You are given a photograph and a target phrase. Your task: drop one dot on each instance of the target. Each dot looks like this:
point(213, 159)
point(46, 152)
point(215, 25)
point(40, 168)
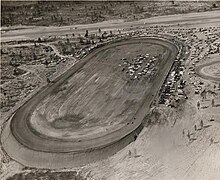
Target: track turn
point(32, 149)
point(199, 70)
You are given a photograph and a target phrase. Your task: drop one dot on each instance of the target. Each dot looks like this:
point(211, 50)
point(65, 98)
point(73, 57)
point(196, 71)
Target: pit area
point(93, 109)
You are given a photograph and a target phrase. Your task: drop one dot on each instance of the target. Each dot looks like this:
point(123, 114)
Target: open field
point(184, 20)
point(179, 136)
point(56, 13)
point(96, 98)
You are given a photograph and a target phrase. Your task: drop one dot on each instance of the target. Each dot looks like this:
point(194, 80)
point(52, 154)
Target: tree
point(39, 40)
point(20, 55)
point(48, 80)
point(16, 72)
point(214, 5)
point(87, 33)
point(46, 63)
point(34, 56)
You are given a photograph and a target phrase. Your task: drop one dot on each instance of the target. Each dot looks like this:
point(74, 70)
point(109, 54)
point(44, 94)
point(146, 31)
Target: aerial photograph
point(110, 90)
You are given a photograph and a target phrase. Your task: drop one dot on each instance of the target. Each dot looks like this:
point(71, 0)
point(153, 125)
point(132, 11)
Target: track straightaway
point(36, 150)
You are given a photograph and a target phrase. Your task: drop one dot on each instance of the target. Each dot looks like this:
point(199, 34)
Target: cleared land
point(188, 20)
point(161, 151)
point(46, 13)
point(41, 150)
point(98, 97)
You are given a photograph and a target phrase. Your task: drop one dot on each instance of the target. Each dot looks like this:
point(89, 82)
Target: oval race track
point(31, 147)
point(200, 71)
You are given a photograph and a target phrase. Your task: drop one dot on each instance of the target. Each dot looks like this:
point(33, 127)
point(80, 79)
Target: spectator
point(198, 104)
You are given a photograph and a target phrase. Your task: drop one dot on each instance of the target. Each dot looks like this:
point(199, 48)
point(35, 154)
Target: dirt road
point(191, 19)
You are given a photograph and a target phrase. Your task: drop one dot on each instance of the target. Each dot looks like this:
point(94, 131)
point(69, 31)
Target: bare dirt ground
point(165, 151)
point(99, 94)
point(184, 143)
point(46, 146)
point(192, 19)
point(46, 13)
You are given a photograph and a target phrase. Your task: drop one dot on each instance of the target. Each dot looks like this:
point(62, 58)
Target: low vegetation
point(58, 13)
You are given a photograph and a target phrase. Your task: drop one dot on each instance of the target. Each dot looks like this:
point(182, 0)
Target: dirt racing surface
point(173, 145)
point(97, 98)
point(92, 118)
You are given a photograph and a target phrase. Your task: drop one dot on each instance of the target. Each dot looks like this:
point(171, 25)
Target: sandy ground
point(47, 147)
point(163, 151)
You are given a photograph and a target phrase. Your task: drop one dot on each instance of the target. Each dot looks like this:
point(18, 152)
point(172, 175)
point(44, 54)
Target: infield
point(92, 106)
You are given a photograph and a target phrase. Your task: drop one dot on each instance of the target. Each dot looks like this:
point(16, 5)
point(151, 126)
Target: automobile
point(196, 91)
point(191, 68)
